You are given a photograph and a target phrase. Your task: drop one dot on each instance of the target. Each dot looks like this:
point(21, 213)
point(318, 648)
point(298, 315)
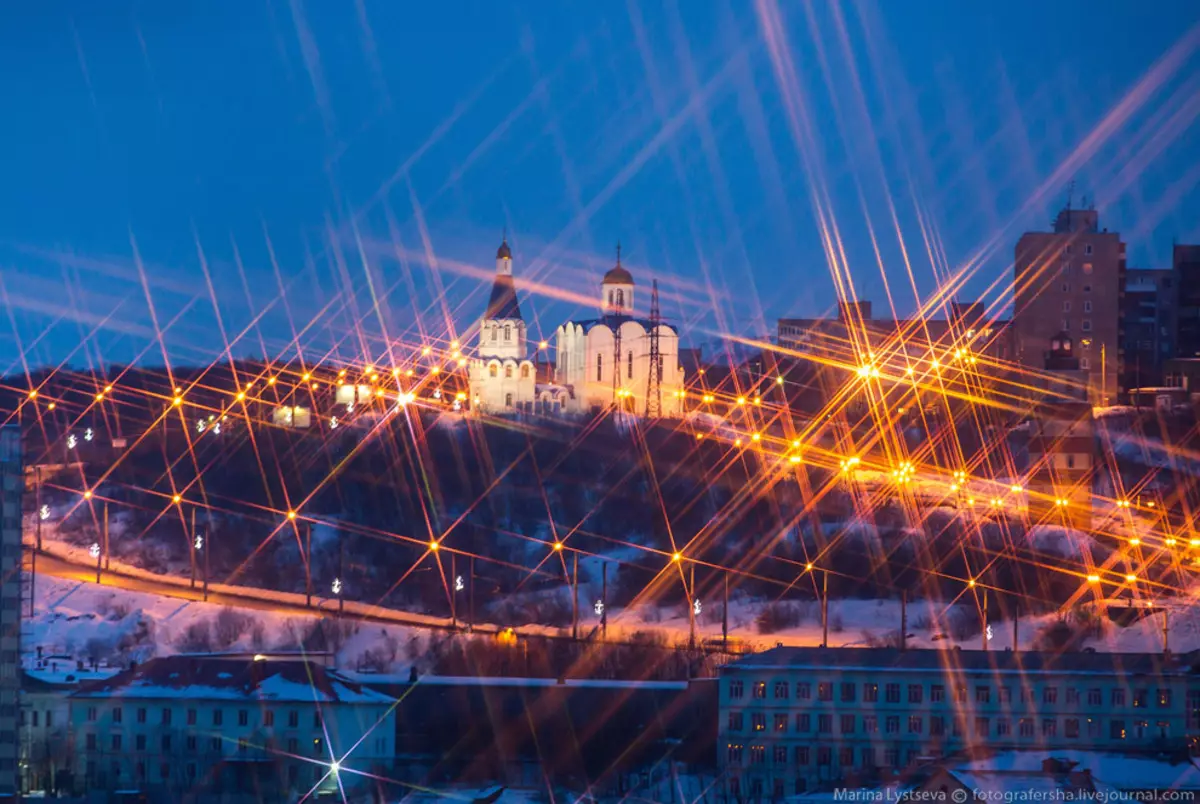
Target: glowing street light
point(458, 583)
point(291, 514)
point(44, 512)
point(72, 441)
point(336, 586)
point(1093, 579)
point(558, 546)
point(87, 495)
point(598, 607)
point(175, 498)
point(199, 542)
point(94, 550)
point(433, 546)
point(677, 557)
point(696, 607)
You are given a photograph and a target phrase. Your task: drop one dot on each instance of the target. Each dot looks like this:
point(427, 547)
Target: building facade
point(277, 728)
point(606, 361)
point(502, 377)
point(1185, 264)
point(1147, 326)
point(1070, 280)
point(798, 719)
point(12, 486)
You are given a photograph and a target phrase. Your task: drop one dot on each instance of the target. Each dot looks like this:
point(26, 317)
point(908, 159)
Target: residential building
point(795, 719)
point(1147, 326)
point(278, 728)
point(12, 486)
point(1062, 441)
point(45, 721)
point(1070, 280)
point(1185, 264)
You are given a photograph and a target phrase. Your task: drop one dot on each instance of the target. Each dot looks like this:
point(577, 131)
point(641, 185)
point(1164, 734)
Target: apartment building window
point(824, 755)
point(1005, 694)
point(269, 718)
point(868, 756)
point(1116, 729)
point(733, 753)
point(891, 724)
point(914, 724)
point(871, 693)
point(218, 717)
point(1050, 695)
point(140, 742)
point(1118, 697)
point(779, 754)
point(1072, 696)
point(166, 742)
point(1087, 288)
point(915, 693)
point(960, 693)
point(801, 786)
point(1140, 727)
point(891, 757)
point(824, 691)
point(870, 724)
point(91, 742)
point(1025, 727)
point(825, 724)
point(1049, 728)
point(758, 754)
point(1087, 248)
point(1003, 728)
point(735, 721)
point(1086, 326)
point(1087, 305)
point(847, 724)
point(846, 757)
point(804, 722)
point(804, 691)
point(116, 714)
point(758, 721)
point(1087, 267)
point(781, 722)
point(1066, 306)
point(116, 742)
point(1066, 287)
point(937, 693)
point(1071, 728)
point(141, 714)
point(982, 727)
point(294, 716)
point(1139, 699)
point(1066, 325)
point(243, 717)
point(1163, 728)
point(760, 690)
point(191, 717)
point(293, 746)
point(1093, 727)
point(957, 728)
point(735, 691)
point(191, 742)
point(937, 726)
point(91, 714)
point(891, 693)
point(983, 695)
point(1164, 699)
point(848, 691)
point(781, 689)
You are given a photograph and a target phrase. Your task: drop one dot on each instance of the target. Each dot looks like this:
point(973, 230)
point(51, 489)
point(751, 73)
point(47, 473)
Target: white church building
point(601, 362)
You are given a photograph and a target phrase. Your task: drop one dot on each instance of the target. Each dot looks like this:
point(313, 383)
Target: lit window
point(1087, 267)
point(493, 370)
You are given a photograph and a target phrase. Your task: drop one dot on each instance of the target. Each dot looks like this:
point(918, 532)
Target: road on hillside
point(61, 568)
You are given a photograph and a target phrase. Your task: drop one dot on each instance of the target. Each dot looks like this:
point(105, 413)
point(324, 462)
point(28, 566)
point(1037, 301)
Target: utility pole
point(825, 608)
point(604, 600)
point(341, 574)
point(1016, 622)
point(453, 592)
point(106, 545)
point(725, 616)
point(575, 597)
point(654, 374)
point(692, 607)
point(207, 548)
point(903, 619)
point(984, 631)
point(37, 473)
point(616, 328)
point(471, 595)
point(308, 565)
point(192, 545)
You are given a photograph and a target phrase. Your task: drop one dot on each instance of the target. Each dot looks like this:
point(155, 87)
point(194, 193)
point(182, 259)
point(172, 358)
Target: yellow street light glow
point(178, 400)
point(241, 395)
point(453, 344)
point(33, 394)
point(462, 361)
point(305, 376)
point(178, 391)
point(433, 546)
point(291, 514)
point(971, 582)
point(794, 459)
point(741, 400)
point(456, 354)
point(795, 442)
point(425, 351)
point(87, 495)
point(1171, 542)
point(1131, 578)
point(1017, 489)
point(808, 567)
point(435, 370)
point(100, 397)
point(175, 498)
point(737, 442)
point(1135, 541)
point(342, 373)
point(699, 436)
point(270, 381)
point(954, 487)
point(909, 371)
point(50, 406)
point(543, 345)
point(558, 545)
point(1194, 543)
point(677, 557)
point(758, 400)
point(779, 380)
point(107, 388)
point(1093, 579)
point(756, 437)
point(379, 392)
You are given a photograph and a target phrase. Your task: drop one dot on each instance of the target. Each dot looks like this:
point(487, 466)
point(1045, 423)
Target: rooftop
point(223, 678)
point(1024, 662)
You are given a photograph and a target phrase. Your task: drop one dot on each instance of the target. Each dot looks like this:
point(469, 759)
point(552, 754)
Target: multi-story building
point(1069, 280)
point(1185, 264)
point(1062, 442)
point(12, 485)
point(796, 719)
point(278, 728)
point(1147, 326)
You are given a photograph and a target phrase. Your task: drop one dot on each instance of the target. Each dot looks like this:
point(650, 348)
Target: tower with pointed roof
point(616, 290)
point(501, 373)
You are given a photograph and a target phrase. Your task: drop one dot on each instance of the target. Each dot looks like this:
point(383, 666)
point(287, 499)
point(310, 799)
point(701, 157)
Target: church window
point(524, 372)
point(508, 400)
point(493, 371)
point(610, 298)
point(508, 372)
point(508, 332)
point(620, 298)
point(599, 367)
point(493, 329)
point(629, 365)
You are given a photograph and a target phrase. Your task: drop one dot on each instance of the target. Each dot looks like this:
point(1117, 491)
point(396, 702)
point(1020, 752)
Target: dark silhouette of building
point(1147, 326)
point(1185, 263)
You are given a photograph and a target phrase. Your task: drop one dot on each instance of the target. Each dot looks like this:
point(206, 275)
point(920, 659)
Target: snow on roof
point(45, 679)
point(1123, 771)
point(510, 681)
point(1036, 786)
point(233, 679)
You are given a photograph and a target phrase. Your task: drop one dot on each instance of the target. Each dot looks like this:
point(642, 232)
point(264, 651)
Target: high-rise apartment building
point(1070, 280)
point(1185, 263)
point(12, 484)
point(1147, 326)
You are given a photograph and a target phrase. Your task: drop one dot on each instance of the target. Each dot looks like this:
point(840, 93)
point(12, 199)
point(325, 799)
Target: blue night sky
point(378, 149)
